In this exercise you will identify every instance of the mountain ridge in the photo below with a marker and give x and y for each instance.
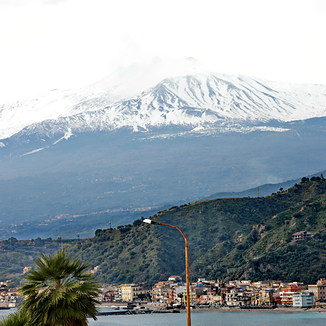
(69, 224)
(228, 238)
(262, 190)
(241, 238)
(201, 100)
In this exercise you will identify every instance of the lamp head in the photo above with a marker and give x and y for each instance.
(147, 220)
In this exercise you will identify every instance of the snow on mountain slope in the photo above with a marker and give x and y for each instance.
(18, 115)
(196, 100)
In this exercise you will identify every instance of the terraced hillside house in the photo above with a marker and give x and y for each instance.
(301, 235)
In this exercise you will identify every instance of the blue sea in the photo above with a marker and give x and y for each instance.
(212, 318)
(217, 318)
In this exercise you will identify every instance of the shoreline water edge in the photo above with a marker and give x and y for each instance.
(163, 307)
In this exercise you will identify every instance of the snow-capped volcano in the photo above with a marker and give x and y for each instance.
(202, 99)
(196, 100)
(59, 157)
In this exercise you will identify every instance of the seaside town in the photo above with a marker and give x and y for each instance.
(203, 293)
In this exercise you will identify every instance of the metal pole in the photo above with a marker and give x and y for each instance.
(187, 281)
(187, 268)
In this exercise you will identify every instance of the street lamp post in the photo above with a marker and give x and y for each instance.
(186, 261)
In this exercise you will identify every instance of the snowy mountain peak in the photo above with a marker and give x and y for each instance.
(241, 98)
(195, 100)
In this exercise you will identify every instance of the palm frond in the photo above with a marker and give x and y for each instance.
(60, 291)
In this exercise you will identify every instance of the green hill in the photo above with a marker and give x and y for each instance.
(231, 238)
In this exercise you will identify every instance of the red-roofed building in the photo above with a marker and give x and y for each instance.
(302, 235)
(286, 295)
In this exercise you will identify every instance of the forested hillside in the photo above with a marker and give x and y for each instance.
(228, 238)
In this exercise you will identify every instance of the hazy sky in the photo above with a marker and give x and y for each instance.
(46, 44)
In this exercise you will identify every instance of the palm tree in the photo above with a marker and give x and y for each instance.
(16, 319)
(59, 292)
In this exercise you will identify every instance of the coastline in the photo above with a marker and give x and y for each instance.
(278, 309)
(155, 305)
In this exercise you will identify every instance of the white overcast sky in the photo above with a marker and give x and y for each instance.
(46, 44)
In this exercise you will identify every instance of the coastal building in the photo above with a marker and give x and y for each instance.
(237, 298)
(313, 289)
(255, 297)
(9, 298)
(108, 293)
(181, 293)
(319, 289)
(303, 300)
(205, 295)
(262, 284)
(131, 292)
(267, 297)
(170, 291)
(117, 293)
(233, 293)
(301, 285)
(231, 298)
(240, 283)
(175, 279)
(261, 296)
(286, 295)
(276, 285)
(163, 292)
(205, 291)
(4, 286)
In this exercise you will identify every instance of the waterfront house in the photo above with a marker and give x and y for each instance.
(131, 292)
(237, 297)
(286, 295)
(163, 292)
(319, 289)
(108, 293)
(117, 294)
(303, 300)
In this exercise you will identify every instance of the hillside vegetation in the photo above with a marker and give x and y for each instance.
(233, 238)
(228, 238)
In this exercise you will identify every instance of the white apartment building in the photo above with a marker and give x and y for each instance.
(303, 300)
